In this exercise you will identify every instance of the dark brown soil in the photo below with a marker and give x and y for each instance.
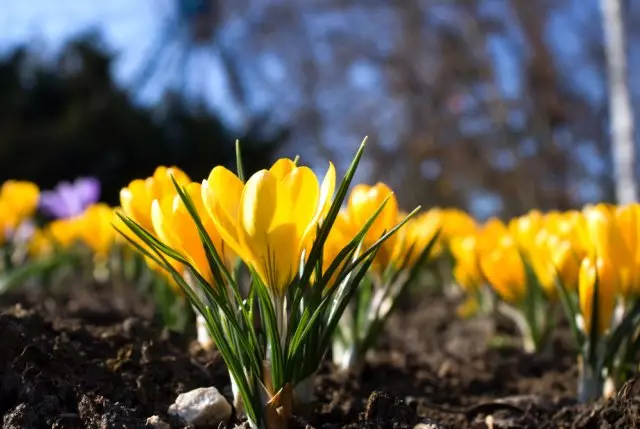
(87, 360)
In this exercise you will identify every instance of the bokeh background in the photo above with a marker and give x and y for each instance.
(493, 106)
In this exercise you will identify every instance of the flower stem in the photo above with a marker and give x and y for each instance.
(590, 383)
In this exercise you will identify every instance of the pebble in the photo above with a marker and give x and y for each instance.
(204, 406)
(157, 423)
(427, 426)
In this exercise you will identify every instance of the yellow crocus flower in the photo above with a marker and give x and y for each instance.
(338, 238)
(175, 227)
(6, 220)
(136, 200)
(64, 232)
(456, 223)
(363, 202)
(20, 200)
(602, 231)
(565, 262)
(419, 231)
(467, 271)
(96, 229)
(270, 220)
(525, 228)
(628, 219)
(40, 244)
(489, 234)
(504, 270)
(602, 269)
(137, 197)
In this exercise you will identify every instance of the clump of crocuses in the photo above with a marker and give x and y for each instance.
(275, 224)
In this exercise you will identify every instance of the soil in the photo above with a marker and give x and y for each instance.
(92, 358)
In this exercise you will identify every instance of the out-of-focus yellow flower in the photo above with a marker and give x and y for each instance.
(363, 202)
(418, 233)
(20, 200)
(601, 269)
(504, 269)
(174, 226)
(6, 220)
(456, 223)
(119, 225)
(270, 220)
(413, 238)
(528, 233)
(136, 200)
(489, 234)
(526, 228)
(467, 270)
(40, 244)
(137, 197)
(64, 232)
(338, 238)
(601, 230)
(96, 229)
(628, 219)
(564, 261)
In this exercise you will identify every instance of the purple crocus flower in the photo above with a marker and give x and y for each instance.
(70, 199)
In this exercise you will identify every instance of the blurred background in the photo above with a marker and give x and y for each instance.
(493, 106)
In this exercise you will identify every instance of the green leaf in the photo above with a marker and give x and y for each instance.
(17, 276)
(571, 310)
(269, 318)
(620, 334)
(592, 345)
(239, 164)
(343, 302)
(327, 224)
(376, 327)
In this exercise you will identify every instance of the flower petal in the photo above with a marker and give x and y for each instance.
(270, 247)
(282, 167)
(221, 196)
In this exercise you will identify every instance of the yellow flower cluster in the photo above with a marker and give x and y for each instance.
(573, 247)
(93, 228)
(270, 221)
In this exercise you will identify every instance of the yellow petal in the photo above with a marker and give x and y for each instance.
(162, 219)
(282, 167)
(136, 201)
(601, 269)
(271, 247)
(298, 203)
(221, 196)
(326, 191)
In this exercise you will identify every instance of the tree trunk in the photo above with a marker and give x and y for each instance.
(620, 110)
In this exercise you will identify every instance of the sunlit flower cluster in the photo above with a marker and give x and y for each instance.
(310, 262)
(92, 228)
(583, 261)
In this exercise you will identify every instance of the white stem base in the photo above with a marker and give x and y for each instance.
(202, 334)
(590, 384)
(346, 358)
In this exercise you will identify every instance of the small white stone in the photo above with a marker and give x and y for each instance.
(425, 426)
(157, 423)
(204, 406)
